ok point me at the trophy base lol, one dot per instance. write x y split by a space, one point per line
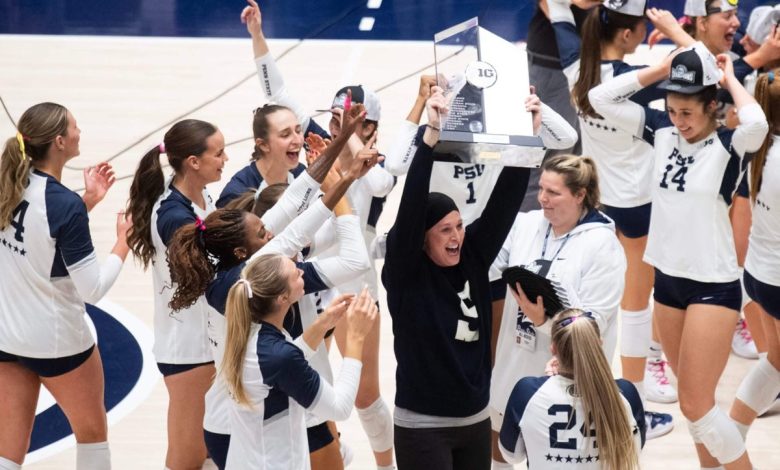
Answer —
489 149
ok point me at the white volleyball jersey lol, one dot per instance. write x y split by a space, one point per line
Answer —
693 183
588 262
763 255
271 432
545 423
49 269
180 337
623 162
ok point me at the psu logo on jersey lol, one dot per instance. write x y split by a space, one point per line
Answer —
129 371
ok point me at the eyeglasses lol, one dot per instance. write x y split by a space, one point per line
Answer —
569 320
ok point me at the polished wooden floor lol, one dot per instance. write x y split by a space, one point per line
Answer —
127 91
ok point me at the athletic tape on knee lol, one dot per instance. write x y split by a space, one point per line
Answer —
377 423
636 331
94 456
719 435
760 387
6 464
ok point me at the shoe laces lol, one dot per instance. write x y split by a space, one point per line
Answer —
744 332
658 369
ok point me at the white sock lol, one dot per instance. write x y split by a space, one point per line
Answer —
713 468
386 467
502 465
655 350
6 464
93 456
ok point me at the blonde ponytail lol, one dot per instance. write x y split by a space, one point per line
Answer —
37 129
252 298
575 335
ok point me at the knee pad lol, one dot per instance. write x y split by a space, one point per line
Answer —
636 332
719 435
760 387
378 425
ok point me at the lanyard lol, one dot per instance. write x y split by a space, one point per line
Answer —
544 246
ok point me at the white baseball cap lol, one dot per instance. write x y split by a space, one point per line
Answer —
761 21
627 7
699 7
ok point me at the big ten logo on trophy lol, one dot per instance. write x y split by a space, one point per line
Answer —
481 74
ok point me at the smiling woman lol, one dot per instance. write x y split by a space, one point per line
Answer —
196 152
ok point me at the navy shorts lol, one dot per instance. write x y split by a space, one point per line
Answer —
49 367
217 445
319 436
679 292
632 222
171 369
766 295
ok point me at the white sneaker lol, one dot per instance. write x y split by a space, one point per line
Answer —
658 388
658 424
346 453
742 343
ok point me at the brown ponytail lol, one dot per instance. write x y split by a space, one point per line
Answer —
196 252
768 96
185 138
601 26
575 336
37 129
267 280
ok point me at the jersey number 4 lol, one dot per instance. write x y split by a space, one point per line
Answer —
568 423
17 220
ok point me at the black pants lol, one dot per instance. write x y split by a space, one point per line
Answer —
460 448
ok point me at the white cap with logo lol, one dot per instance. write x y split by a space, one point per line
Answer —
700 8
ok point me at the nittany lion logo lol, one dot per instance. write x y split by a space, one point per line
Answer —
616 4
125 345
681 73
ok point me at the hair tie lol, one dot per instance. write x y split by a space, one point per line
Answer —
684 21
200 224
569 320
247 287
770 77
161 147
20 139
603 15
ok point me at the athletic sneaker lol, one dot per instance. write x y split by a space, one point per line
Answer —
346 453
742 342
658 388
658 424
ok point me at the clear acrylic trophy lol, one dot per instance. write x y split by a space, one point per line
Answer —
485 79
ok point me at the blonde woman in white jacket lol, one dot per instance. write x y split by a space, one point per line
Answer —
571 242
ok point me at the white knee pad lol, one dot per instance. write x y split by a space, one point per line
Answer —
760 387
719 435
378 425
636 332
95 456
6 464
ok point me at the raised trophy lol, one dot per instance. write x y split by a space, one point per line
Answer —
485 79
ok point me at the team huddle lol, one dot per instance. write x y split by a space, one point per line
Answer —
650 217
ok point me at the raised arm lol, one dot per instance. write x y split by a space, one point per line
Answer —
399 157
271 80
611 100
753 127
405 239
